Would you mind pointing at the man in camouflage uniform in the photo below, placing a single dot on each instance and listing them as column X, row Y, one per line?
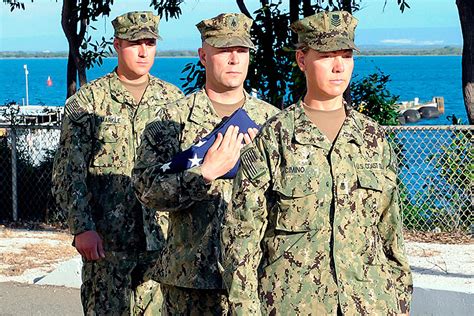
column 315, row 227
column 197, row 197
column 91, row 176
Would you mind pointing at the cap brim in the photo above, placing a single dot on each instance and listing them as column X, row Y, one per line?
column 334, row 44
column 230, row 41
column 145, row 34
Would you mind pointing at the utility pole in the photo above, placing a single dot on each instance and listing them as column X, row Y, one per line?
column 26, row 83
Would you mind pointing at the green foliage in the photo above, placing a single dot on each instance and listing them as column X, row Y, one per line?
column 403, row 4
column 167, row 8
column 15, row 5
column 195, row 77
column 455, row 163
column 414, row 216
column 273, row 72
column 93, row 53
column 454, row 120
column 371, row 97
column 76, row 17
column 272, row 64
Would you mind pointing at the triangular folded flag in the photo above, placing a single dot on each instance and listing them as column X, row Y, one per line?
column 194, row 156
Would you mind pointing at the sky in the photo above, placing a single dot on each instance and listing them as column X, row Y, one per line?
column 427, row 22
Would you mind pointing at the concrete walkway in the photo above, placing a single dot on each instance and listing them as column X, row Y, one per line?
column 443, row 276
column 18, row 299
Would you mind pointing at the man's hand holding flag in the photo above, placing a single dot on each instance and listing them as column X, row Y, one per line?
column 218, row 152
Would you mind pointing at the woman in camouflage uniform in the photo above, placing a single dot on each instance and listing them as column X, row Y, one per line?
column 315, row 227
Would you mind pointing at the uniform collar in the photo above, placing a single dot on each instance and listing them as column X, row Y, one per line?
column 352, row 128
column 203, row 112
column 154, row 86
column 306, row 132
column 120, row 94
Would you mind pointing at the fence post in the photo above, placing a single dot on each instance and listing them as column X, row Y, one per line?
column 14, row 176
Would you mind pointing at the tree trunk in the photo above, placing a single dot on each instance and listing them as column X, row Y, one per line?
column 71, row 83
column 69, row 30
column 294, row 16
column 75, row 63
column 243, row 8
column 294, row 10
column 267, row 47
column 346, row 6
column 466, row 16
column 80, row 63
column 307, row 8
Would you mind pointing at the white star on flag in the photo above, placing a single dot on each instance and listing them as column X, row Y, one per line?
column 200, row 143
column 166, row 166
column 195, row 161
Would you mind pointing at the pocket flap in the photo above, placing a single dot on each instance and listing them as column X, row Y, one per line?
column 108, row 133
column 295, row 222
column 294, row 187
column 370, row 179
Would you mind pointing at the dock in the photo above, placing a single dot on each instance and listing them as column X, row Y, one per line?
column 413, row 111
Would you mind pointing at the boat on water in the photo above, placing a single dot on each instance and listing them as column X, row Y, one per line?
column 413, row 111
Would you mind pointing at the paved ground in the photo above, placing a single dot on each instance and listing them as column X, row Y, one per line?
column 443, row 275
column 27, row 299
column 441, row 266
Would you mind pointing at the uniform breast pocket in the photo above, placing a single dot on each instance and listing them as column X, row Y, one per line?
column 296, row 206
column 110, row 148
column 369, row 196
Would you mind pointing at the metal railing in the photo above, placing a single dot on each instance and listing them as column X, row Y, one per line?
column 435, row 163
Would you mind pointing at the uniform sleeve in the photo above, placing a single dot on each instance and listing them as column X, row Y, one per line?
column 69, row 183
column 390, row 228
column 243, row 229
column 155, row 223
column 159, row 190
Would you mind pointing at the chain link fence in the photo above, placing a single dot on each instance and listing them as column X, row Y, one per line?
column 26, row 161
column 436, row 174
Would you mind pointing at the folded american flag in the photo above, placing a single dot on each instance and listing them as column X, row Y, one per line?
column 194, row 156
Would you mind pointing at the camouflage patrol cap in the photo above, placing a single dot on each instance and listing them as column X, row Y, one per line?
column 134, row 26
column 226, row 30
column 326, row 31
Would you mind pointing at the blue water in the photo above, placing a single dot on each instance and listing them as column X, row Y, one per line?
column 412, row 76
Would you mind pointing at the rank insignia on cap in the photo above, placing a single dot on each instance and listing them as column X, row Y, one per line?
column 227, row 30
column 335, row 20
column 233, row 23
column 326, row 31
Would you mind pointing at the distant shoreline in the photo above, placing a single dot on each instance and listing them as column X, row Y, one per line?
column 368, row 51
column 356, row 55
